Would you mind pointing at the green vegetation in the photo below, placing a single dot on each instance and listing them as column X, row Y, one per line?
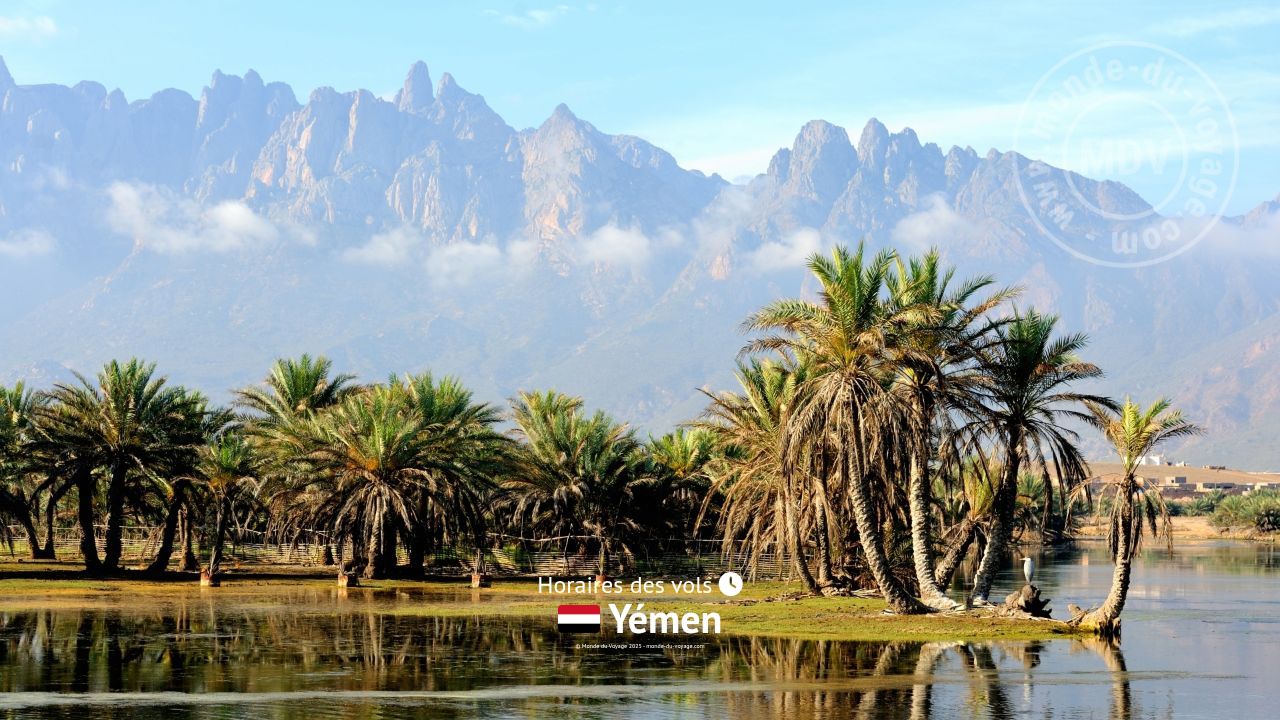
column 1198, row 506
column 1258, row 512
column 881, row 432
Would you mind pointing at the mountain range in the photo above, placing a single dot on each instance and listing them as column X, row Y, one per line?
column 422, row 231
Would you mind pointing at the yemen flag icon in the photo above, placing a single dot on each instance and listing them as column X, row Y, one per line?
column 579, row 618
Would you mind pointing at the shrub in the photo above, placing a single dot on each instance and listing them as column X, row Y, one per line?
column 1258, row 512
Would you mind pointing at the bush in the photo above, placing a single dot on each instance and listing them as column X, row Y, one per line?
column 1258, row 512
column 1203, row 505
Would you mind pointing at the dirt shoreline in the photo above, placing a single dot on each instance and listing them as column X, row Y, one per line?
column 1184, row 528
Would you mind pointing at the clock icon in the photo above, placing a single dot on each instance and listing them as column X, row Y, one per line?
column 731, row 583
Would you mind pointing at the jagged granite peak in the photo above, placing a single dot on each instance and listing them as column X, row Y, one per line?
column 93, row 92
column 872, row 143
column 235, row 117
column 6, row 80
column 562, row 114
column 821, row 162
column 416, row 95
column 466, row 116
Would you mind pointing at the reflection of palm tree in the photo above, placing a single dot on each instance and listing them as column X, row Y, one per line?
column 922, row 691
column 1121, row 695
column 989, row 695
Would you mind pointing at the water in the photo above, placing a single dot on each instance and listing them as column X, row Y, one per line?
column 1200, row 640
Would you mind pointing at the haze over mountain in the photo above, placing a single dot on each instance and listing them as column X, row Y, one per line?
column 214, row 234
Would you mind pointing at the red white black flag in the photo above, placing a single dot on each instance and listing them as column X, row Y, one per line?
column 579, row 618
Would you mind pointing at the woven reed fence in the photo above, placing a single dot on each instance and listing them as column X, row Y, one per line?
column 522, row 557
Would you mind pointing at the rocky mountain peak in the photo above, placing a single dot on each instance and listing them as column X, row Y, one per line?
column 562, row 122
column 416, row 95
column 872, row 142
column 821, row 161
column 819, row 137
column 449, row 89
column 6, row 80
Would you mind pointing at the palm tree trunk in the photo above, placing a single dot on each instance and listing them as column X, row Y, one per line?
column 115, row 519
column 50, row 552
column 189, row 561
column 1003, row 504
column 390, row 547
column 796, row 547
column 165, row 553
column 1047, row 518
column 219, row 536
column 824, row 536
column 955, row 554
column 922, row 534
column 1106, row 619
column 869, row 533
column 88, row 540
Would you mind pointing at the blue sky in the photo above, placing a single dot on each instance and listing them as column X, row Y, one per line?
column 720, row 85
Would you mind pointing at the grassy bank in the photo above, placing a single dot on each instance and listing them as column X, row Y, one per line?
column 763, row 609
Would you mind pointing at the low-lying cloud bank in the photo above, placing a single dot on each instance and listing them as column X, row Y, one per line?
column 166, row 222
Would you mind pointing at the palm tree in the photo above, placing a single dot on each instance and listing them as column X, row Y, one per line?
column 227, row 470
column 579, row 474
column 294, row 391
column 852, row 342
column 18, row 495
column 452, row 498
column 758, row 503
column 359, row 469
column 1133, row 432
column 173, row 488
column 938, row 374
column 683, row 460
column 296, row 388
column 1024, row 402
column 128, row 427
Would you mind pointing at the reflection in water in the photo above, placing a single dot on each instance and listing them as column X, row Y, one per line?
column 1202, row 627
column 192, row 648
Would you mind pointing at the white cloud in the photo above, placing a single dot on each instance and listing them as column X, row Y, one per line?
column 387, row 248
column 26, row 244
column 1261, row 238
column 936, row 225
column 446, row 265
column 460, row 263
column 530, row 19
column 612, row 245
column 165, row 222
column 792, row 252
column 1238, row 19
column 27, row 28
